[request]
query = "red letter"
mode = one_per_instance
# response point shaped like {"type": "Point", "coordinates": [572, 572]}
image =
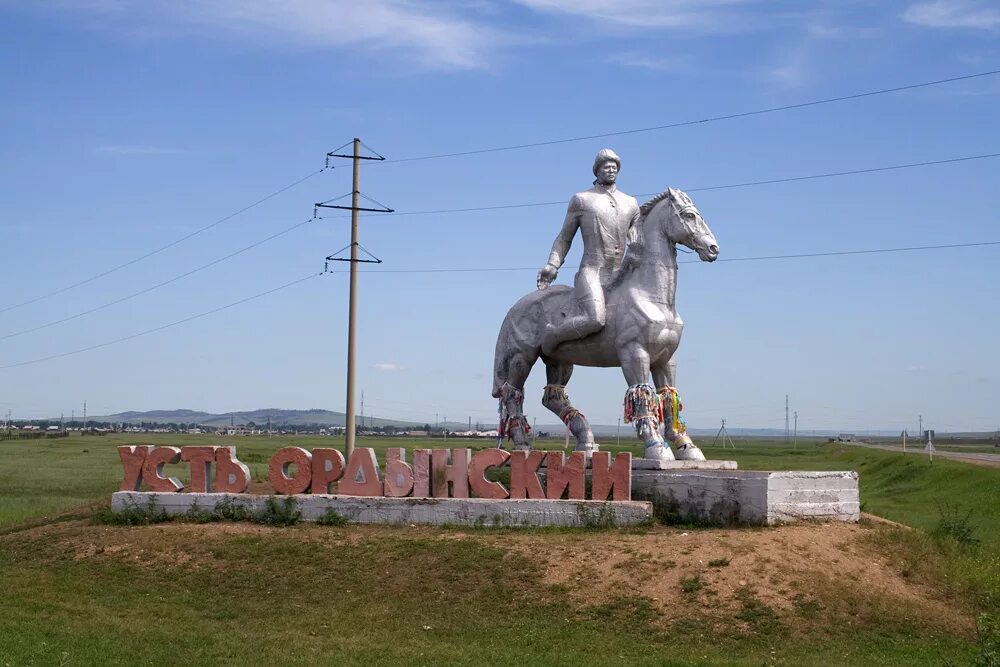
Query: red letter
{"type": "Point", "coordinates": [152, 469]}
{"type": "Point", "coordinates": [280, 466]}
{"type": "Point", "coordinates": [421, 473]}
{"type": "Point", "coordinates": [456, 474]}
{"type": "Point", "coordinates": [524, 482]}
{"type": "Point", "coordinates": [361, 477]}
{"type": "Point", "coordinates": [327, 467]}
{"type": "Point", "coordinates": [398, 473]}
{"type": "Point", "coordinates": [614, 478]}
{"type": "Point", "coordinates": [231, 476]}
{"type": "Point", "coordinates": [566, 474]}
{"type": "Point", "coordinates": [200, 459]}
{"type": "Point", "coordinates": [132, 460]}
{"type": "Point", "coordinates": [481, 462]}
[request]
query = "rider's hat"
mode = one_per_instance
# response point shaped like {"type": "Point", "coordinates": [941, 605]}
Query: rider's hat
{"type": "Point", "coordinates": [603, 156]}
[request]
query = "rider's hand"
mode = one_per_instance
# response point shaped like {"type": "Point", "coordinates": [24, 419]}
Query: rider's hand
{"type": "Point", "coordinates": [546, 276]}
{"type": "Point", "coordinates": [633, 234]}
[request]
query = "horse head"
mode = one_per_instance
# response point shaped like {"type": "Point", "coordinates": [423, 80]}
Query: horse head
{"type": "Point", "coordinates": [676, 217]}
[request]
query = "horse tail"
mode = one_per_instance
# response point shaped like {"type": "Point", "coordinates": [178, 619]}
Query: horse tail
{"type": "Point", "coordinates": [501, 358]}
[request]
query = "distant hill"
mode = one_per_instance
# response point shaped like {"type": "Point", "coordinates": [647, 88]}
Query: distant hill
{"type": "Point", "coordinates": [278, 417]}
{"type": "Point", "coordinates": [282, 417]}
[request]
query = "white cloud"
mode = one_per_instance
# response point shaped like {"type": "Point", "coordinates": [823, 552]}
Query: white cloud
{"type": "Point", "coordinates": [953, 14]}
{"type": "Point", "coordinates": [387, 367]}
{"type": "Point", "coordinates": [644, 61]}
{"type": "Point", "coordinates": [432, 32]}
{"type": "Point", "coordinates": [713, 14]}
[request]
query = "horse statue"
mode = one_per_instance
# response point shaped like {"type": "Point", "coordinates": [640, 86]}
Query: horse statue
{"type": "Point", "coordinates": [640, 336]}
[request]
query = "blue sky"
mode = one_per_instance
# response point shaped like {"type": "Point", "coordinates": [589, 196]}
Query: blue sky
{"type": "Point", "coordinates": [126, 126]}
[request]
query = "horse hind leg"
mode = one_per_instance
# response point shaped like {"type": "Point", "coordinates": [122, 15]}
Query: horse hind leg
{"type": "Point", "coordinates": [512, 423]}
{"type": "Point", "coordinates": [557, 400]}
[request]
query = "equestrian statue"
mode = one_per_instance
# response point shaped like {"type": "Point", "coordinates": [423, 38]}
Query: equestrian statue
{"type": "Point", "coordinates": [620, 312]}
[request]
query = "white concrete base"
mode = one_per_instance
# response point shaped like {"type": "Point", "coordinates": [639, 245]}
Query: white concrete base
{"type": "Point", "coordinates": [656, 464]}
{"type": "Point", "coordinates": [723, 497]}
{"type": "Point", "coordinates": [405, 511]}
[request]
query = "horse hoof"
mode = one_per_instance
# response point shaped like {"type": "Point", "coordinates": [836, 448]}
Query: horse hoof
{"type": "Point", "coordinates": [689, 453]}
{"type": "Point", "coordinates": [588, 449]}
{"type": "Point", "coordinates": [521, 448]}
{"type": "Point", "coordinates": [658, 453]}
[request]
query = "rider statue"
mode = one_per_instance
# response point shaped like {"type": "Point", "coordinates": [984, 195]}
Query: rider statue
{"type": "Point", "coordinates": [606, 218]}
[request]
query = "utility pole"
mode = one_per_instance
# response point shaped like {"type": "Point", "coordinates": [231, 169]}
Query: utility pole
{"type": "Point", "coordinates": [724, 434]}
{"type": "Point", "coordinates": [795, 433]}
{"type": "Point", "coordinates": [445, 430]}
{"type": "Point", "coordinates": [356, 158]}
{"type": "Point", "coordinates": [85, 415]}
{"type": "Point", "coordinates": [786, 419]}
{"type": "Point", "coordinates": [269, 426]}
{"type": "Point", "coordinates": [921, 422]}
{"type": "Point", "coordinates": [619, 436]}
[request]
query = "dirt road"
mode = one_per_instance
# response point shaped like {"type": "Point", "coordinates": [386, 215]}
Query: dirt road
{"type": "Point", "coordinates": [990, 460]}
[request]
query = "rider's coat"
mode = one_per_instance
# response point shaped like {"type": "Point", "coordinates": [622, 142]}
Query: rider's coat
{"type": "Point", "coordinates": [603, 214]}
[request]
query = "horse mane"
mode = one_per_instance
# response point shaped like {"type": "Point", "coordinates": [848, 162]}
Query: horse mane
{"type": "Point", "coordinates": [648, 206]}
{"type": "Point", "coordinates": [636, 250]}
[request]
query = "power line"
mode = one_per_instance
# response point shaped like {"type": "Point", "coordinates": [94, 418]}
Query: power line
{"type": "Point", "coordinates": [707, 188]}
{"type": "Point", "coordinates": [509, 206]}
{"type": "Point", "coordinates": [709, 119]}
{"type": "Point", "coordinates": [162, 327]}
{"type": "Point", "coordinates": [314, 275]}
{"type": "Point", "coordinates": [151, 288]}
{"type": "Point", "coordinates": [165, 247]}
{"type": "Point", "coordinates": [836, 253]}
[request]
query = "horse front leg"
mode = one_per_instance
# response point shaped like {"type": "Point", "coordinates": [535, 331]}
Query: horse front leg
{"type": "Point", "coordinates": [642, 404]}
{"type": "Point", "coordinates": [674, 429]}
{"type": "Point", "coordinates": [557, 400]}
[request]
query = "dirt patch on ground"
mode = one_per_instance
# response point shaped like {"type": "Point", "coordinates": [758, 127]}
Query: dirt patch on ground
{"type": "Point", "coordinates": [798, 575]}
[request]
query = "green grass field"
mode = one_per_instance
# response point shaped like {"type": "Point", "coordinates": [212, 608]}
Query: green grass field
{"type": "Point", "coordinates": [76, 593]}
{"type": "Point", "coordinates": [41, 477]}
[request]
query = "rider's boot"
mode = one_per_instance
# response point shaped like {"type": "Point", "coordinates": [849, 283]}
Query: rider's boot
{"type": "Point", "coordinates": [572, 328]}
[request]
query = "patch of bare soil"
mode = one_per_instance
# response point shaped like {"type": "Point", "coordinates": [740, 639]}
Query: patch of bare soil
{"type": "Point", "coordinates": [797, 574]}
{"type": "Point", "coordinates": [804, 575]}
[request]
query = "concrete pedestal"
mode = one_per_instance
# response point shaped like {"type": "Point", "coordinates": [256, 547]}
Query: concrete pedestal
{"type": "Point", "coordinates": [655, 464]}
{"type": "Point", "coordinates": [405, 511]}
{"type": "Point", "coordinates": [722, 497]}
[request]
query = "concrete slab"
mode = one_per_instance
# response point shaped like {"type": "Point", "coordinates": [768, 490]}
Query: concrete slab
{"type": "Point", "coordinates": [655, 464]}
{"type": "Point", "coordinates": [405, 511]}
{"type": "Point", "coordinates": [724, 497]}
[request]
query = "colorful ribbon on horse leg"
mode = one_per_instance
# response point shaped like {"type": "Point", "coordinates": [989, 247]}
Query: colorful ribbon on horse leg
{"type": "Point", "coordinates": [641, 400]}
{"type": "Point", "coordinates": [670, 400]}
